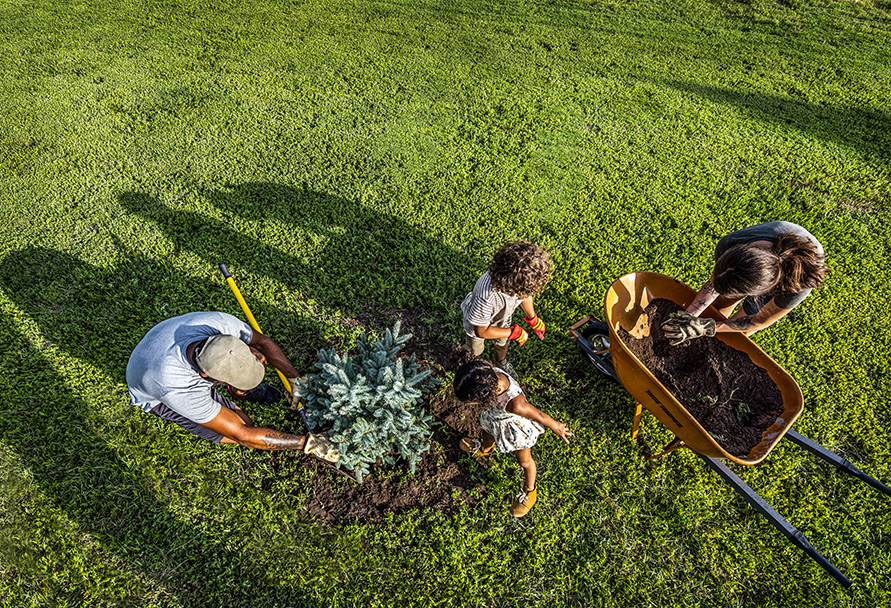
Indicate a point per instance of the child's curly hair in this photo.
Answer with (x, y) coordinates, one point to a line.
(475, 381)
(520, 269)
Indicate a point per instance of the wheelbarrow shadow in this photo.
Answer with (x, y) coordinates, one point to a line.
(51, 428)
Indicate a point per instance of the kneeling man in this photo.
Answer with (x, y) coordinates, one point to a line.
(174, 371)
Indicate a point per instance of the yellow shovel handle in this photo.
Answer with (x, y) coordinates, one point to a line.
(250, 317)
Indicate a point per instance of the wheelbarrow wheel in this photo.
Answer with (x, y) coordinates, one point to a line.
(595, 327)
(596, 332)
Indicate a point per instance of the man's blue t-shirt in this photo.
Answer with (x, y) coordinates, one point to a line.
(158, 371)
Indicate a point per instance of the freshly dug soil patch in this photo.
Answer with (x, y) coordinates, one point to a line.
(731, 397)
(441, 480)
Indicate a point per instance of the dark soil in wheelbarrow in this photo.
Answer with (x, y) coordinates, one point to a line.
(731, 397)
(445, 478)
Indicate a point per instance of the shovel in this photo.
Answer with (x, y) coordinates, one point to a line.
(256, 327)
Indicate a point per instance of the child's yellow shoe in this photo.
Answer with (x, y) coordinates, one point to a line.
(475, 448)
(525, 501)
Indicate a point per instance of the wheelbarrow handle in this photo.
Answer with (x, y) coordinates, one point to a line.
(843, 465)
(776, 520)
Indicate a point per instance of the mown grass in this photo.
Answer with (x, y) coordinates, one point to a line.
(348, 159)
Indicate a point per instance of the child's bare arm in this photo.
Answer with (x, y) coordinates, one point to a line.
(519, 406)
(491, 332)
(528, 307)
(537, 325)
(514, 332)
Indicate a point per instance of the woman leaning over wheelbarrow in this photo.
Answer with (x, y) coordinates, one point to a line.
(771, 267)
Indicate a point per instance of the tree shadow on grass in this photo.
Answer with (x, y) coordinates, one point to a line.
(863, 129)
(50, 427)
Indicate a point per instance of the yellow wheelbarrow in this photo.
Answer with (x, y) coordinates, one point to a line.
(600, 342)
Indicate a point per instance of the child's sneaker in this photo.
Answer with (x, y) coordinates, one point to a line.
(525, 501)
(474, 447)
(262, 393)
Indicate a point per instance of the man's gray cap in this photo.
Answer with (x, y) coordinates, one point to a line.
(228, 359)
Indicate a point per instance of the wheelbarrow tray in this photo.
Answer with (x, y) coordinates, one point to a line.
(624, 303)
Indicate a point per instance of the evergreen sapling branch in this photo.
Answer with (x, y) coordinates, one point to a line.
(370, 403)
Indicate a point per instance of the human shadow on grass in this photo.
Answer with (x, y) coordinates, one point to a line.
(367, 265)
(50, 426)
(866, 130)
(98, 315)
(366, 261)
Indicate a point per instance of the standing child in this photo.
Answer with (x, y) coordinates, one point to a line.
(509, 422)
(519, 271)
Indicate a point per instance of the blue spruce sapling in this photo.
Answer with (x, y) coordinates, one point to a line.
(370, 403)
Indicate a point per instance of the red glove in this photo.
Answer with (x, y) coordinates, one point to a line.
(537, 326)
(519, 334)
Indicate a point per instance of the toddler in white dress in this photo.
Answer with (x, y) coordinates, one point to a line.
(509, 422)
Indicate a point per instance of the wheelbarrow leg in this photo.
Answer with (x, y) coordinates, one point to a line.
(818, 450)
(677, 444)
(635, 426)
(775, 519)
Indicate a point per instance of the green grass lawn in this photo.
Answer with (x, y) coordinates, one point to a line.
(352, 160)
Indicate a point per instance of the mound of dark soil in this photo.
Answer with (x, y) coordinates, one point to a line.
(731, 397)
(441, 480)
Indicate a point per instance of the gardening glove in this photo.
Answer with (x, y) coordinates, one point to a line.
(321, 447)
(519, 334)
(537, 326)
(293, 401)
(685, 327)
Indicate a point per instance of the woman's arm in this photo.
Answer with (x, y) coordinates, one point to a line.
(769, 314)
(519, 406)
(703, 299)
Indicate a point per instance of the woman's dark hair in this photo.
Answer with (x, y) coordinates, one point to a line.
(520, 269)
(476, 381)
(791, 264)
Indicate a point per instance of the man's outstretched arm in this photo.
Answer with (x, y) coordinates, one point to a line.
(230, 425)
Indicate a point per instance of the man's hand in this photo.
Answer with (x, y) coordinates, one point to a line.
(321, 447)
(537, 326)
(685, 327)
(519, 334)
